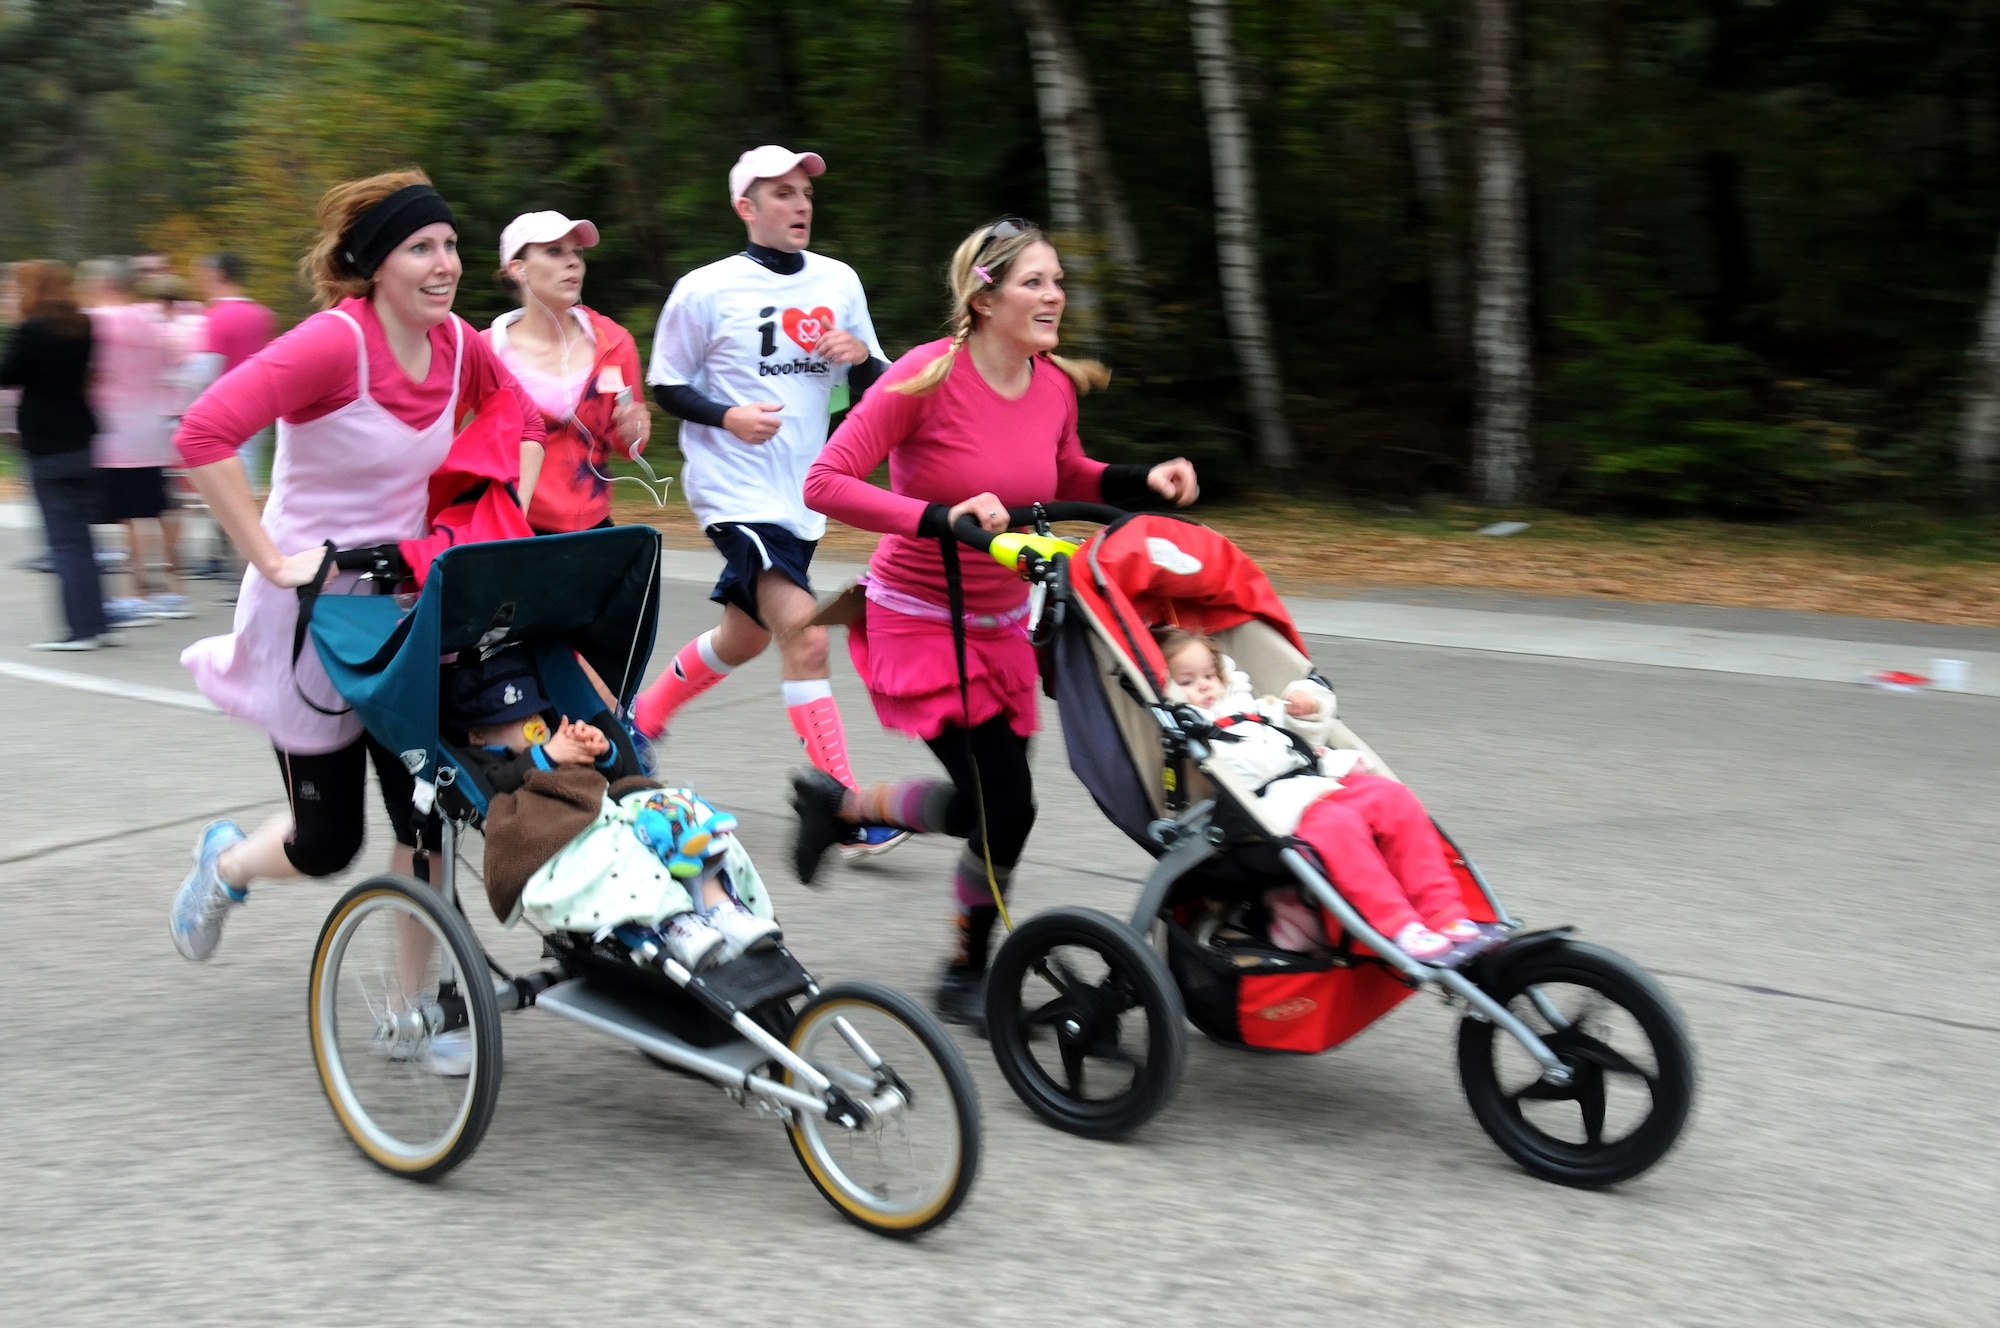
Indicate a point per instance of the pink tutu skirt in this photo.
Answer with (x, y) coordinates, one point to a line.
(912, 673)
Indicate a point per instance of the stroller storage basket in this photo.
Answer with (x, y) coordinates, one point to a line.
(1256, 996)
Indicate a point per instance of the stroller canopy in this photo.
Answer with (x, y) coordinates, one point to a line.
(595, 593)
(1148, 571)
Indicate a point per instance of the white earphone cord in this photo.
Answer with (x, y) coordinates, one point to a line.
(655, 487)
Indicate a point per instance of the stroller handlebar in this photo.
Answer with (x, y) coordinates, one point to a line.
(971, 533)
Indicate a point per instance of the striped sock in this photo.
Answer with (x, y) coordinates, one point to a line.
(977, 913)
(912, 804)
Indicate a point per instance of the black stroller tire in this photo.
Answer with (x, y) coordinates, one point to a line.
(867, 1183)
(1665, 1067)
(403, 1115)
(1087, 1023)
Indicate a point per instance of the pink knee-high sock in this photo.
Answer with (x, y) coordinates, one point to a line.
(695, 669)
(815, 718)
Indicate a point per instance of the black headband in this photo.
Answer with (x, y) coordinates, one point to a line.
(389, 223)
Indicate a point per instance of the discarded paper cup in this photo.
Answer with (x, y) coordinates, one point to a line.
(1950, 675)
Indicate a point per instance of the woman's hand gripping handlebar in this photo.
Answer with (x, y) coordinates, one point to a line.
(1032, 555)
(382, 563)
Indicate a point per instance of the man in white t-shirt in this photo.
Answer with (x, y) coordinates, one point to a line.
(747, 354)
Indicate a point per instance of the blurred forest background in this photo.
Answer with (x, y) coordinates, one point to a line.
(1752, 241)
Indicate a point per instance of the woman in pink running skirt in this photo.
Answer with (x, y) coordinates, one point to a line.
(971, 424)
(367, 395)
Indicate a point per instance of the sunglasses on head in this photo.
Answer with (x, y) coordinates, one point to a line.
(1004, 229)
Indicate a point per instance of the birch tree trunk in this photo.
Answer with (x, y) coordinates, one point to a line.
(1503, 370)
(1088, 217)
(1236, 232)
(1979, 426)
(1430, 164)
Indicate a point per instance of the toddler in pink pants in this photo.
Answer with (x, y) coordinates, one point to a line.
(1374, 838)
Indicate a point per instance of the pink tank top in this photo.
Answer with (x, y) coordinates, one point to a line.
(356, 476)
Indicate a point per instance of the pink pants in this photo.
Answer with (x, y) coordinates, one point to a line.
(1378, 844)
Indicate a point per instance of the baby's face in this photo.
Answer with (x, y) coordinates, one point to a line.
(1193, 669)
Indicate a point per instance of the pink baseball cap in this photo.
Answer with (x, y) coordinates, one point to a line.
(767, 163)
(543, 228)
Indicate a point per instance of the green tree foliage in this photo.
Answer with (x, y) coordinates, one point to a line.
(1761, 228)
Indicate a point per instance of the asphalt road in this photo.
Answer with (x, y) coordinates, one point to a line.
(1809, 867)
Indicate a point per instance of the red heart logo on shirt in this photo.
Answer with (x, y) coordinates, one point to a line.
(807, 326)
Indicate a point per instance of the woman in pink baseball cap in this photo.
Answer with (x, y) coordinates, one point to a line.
(581, 368)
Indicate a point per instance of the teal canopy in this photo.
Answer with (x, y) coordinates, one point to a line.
(594, 595)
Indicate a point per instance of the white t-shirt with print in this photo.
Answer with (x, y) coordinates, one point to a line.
(740, 333)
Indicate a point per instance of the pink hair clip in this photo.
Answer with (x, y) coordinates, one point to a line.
(985, 277)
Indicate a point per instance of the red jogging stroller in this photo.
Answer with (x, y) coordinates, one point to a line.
(1572, 1058)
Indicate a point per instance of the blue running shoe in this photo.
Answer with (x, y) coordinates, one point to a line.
(203, 901)
(871, 841)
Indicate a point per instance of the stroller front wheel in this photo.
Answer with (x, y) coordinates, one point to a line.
(1085, 1022)
(405, 1028)
(1628, 1051)
(904, 1173)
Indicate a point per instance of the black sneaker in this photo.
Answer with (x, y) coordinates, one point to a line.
(816, 797)
(961, 998)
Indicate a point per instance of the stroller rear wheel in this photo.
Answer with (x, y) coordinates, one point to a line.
(908, 1170)
(1085, 1022)
(405, 1027)
(1628, 1051)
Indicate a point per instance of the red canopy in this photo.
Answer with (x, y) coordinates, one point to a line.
(1168, 571)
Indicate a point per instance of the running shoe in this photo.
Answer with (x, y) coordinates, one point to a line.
(449, 1054)
(961, 998)
(871, 841)
(816, 797)
(204, 901)
(45, 561)
(168, 605)
(129, 613)
(742, 931)
(693, 940)
(69, 643)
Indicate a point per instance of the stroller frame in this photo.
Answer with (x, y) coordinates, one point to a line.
(759, 1026)
(1143, 764)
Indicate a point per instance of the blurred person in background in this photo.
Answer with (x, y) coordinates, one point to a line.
(129, 394)
(575, 363)
(48, 359)
(366, 395)
(238, 327)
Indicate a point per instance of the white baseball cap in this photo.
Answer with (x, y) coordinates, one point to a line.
(768, 163)
(543, 228)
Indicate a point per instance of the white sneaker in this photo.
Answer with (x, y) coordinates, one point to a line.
(69, 643)
(693, 940)
(129, 613)
(449, 1054)
(743, 930)
(1422, 944)
(203, 901)
(168, 605)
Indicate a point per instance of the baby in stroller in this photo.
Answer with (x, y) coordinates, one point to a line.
(578, 839)
(1372, 835)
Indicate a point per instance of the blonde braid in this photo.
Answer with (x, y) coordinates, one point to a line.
(939, 369)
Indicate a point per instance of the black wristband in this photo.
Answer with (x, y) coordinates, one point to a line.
(935, 522)
(683, 402)
(861, 377)
(1125, 486)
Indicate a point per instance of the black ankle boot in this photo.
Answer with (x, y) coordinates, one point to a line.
(961, 997)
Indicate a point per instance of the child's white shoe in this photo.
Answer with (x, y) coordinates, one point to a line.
(743, 930)
(692, 940)
(1422, 944)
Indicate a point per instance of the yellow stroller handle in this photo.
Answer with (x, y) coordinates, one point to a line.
(1007, 549)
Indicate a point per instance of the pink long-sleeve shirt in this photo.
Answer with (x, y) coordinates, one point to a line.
(960, 440)
(310, 372)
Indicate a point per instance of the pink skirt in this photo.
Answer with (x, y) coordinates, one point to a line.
(912, 673)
